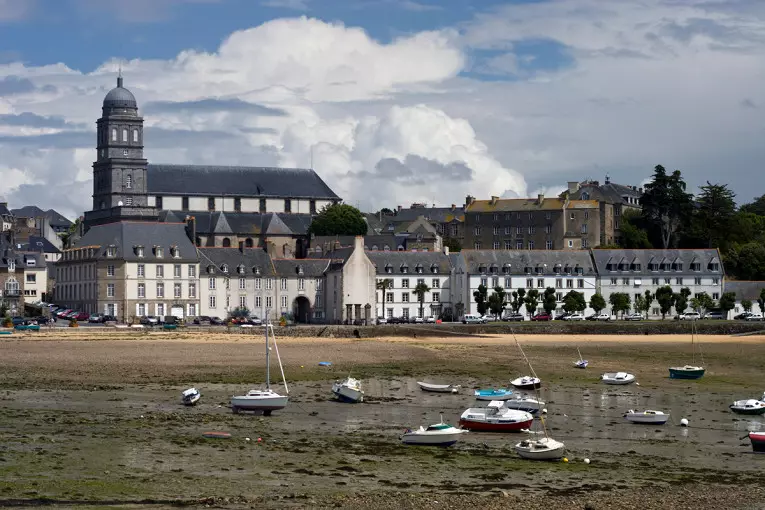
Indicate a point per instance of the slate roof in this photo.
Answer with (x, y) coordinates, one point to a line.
(337, 255)
(432, 214)
(289, 268)
(128, 234)
(397, 260)
(608, 192)
(626, 261)
(237, 181)
(55, 218)
(4, 210)
(250, 259)
(745, 289)
(522, 262)
(375, 242)
(40, 243)
(528, 204)
(20, 256)
(253, 224)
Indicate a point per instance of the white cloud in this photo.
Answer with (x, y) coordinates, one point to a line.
(304, 80)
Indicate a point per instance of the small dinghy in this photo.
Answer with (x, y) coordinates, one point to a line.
(522, 403)
(527, 383)
(495, 418)
(758, 441)
(348, 390)
(439, 388)
(440, 434)
(544, 448)
(190, 396)
(647, 416)
(494, 394)
(750, 406)
(581, 362)
(618, 378)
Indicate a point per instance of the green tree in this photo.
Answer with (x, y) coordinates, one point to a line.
(519, 297)
(240, 312)
(680, 300)
(648, 297)
(728, 302)
(597, 302)
(702, 302)
(531, 301)
(666, 205)
(497, 302)
(761, 301)
(750, 262)
(481, 297)
(756, 207)
(453, 244)
(633, 235)
(713, 215)
(338, 220)
(639, 304)
(666, 299)
(420, 290)
(574, 301)
(746, 304)
(620, 302)
(383, 285)
(549, 302)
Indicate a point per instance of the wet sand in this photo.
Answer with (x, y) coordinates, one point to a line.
(100, 421)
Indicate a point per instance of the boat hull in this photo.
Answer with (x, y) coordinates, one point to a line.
(530, 406)
(424, 439)
(495, 425)
(680, 373)
(580, 364)
(190, 401)
(554, 450)
(245, 403)
(613, 380)
(758, 441)
(648, 420)
(346, 394)
(749, 412)
(493, 395)
(437, 388)
(526, 385)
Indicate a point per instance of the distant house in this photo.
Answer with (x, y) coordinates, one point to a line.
(6, 217)
(57, 221)
(745, 290)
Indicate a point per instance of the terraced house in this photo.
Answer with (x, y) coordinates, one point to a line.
(636, 271)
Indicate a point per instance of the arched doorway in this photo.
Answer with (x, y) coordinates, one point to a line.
(302, 309)
(226, 242)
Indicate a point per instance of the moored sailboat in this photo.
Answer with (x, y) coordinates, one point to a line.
(265, 400)
(580, 363)
(689, 371)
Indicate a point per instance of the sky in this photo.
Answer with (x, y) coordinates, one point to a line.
(390, 101)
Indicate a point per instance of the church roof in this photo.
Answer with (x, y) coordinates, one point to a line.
(261, 182)
(120, 97)
(252, 224)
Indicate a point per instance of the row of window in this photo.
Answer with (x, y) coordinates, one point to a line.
(159, 252)
(519, 244)
(125, 133)
(519, 230)
(540, 283)
(258, 303)
(212, 283)
(434, 284)
(518, 216)
(238, 204)
(435, 297)
(664, 266)
(159, 271)
(435, 310)
(142, 309)
(667, 281)
(160, 290)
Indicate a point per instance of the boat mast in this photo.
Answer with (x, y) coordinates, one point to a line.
(580, 354)
(268, 355)
(533, 374)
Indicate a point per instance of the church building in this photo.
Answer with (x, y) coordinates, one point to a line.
(255, 207)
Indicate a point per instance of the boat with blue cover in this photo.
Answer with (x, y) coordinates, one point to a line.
(439, 434)
(494, 394)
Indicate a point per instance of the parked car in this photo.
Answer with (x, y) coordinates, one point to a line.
(418, 320)
(63, 313)
(255, 321)
(490, 318)
(714, 316)
(149, 320)
(215, 321)
(430, 320)
(690, 316)
(561, 316)
(514, 317)
(95, 318)
(576, 316)
(473, 319)
(108, 318)
(634, 316)
(19, 321)
(202, 320)
(542, 317)
(742, 316)
(602, 316)
(754, 317)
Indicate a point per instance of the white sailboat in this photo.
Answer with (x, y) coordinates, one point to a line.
(544, 448)
(581, 362)
(266, 400)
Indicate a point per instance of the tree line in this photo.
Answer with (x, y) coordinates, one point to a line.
(671, 217)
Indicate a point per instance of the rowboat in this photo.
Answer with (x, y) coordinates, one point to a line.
(495, 418)
(617, 378)
(493, 394)
(647, 416)
(439, 388)
(348, 390)
(439, 434)
(544, 448)
(190, 396)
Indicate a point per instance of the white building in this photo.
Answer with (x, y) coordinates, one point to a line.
(350, 285)
(521, 269)
(745, 291)
(636, 271)
(35, 277)
(405, 270)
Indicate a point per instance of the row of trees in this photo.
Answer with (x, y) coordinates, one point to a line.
(621, 302)
(672, 217)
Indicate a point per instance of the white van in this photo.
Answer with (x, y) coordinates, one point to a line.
(473, 319)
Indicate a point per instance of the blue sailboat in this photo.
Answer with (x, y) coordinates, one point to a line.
(494, 394)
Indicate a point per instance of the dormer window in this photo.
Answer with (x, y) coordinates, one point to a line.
(111, 251)
(636, 266)
(11, 265)
(482, 269)
(418, 268)
(31, 262)
(713, 266)
(256, 270)
(139, 251)
(506, 269)
(493, 269)
(556, 269)
(527, 269)
(567, 269)
(300, 271)
(388, 269)
(211, 269)
(224, 268)
(434, 269)
(159, 252)
(579, 270)
(539, 269)
(695, 266)
(175, 252)
(240, 269)
(404, 268)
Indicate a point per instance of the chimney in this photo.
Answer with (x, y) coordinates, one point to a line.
(358, 243)
(191, 229)
(573, 186)
(398, 208)
(494, 200)
(540, 198)
(446, 250)
(640, 190)
(469, 200)
(454, 207)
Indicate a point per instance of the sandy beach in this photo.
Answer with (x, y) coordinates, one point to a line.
(95, 418)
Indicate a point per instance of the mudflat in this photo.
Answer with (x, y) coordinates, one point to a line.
(90, 418)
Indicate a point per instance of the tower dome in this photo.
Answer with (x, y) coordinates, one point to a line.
(120, 97)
